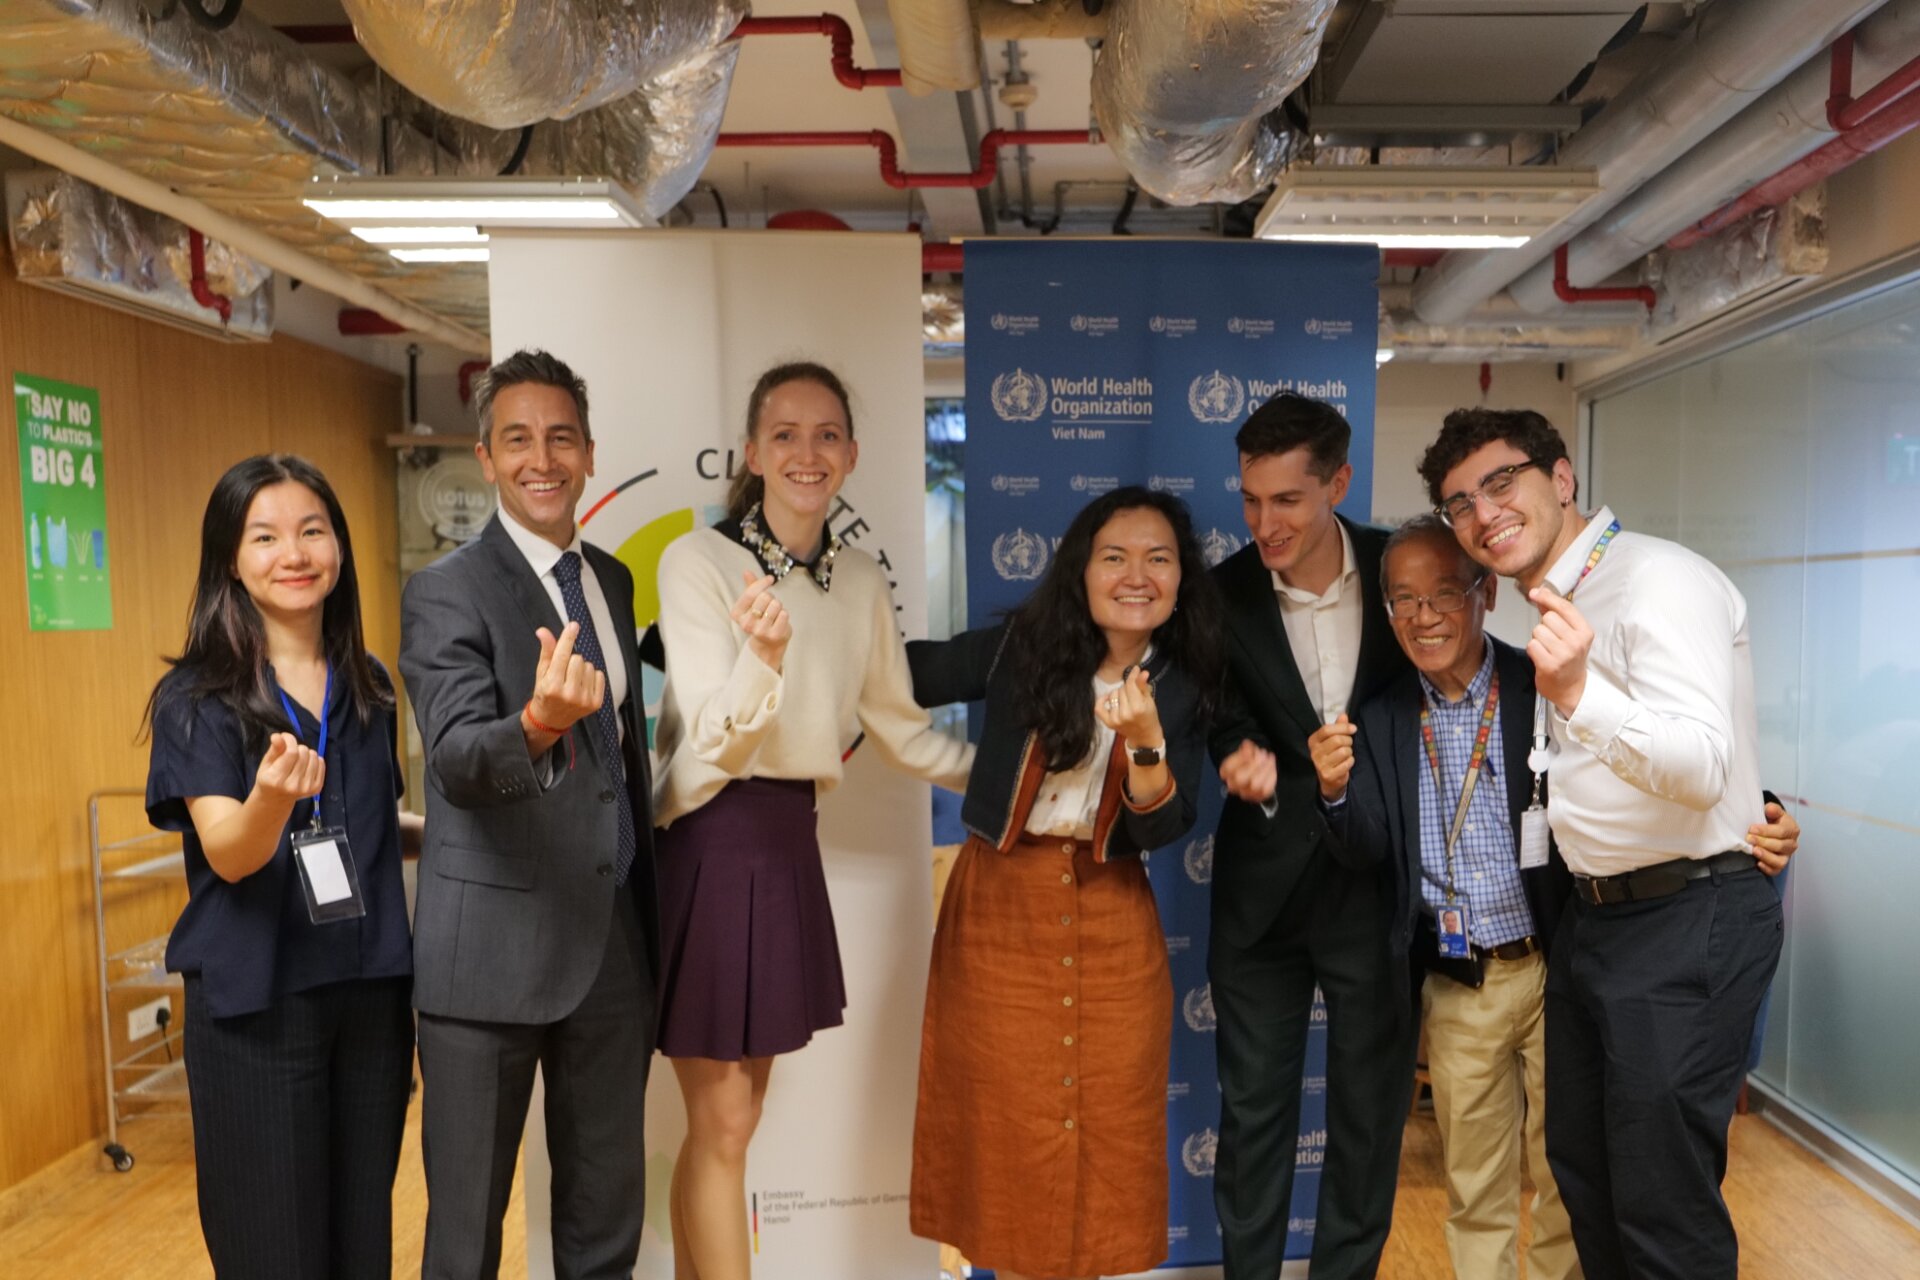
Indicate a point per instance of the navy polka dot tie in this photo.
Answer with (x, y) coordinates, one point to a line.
(606, 728)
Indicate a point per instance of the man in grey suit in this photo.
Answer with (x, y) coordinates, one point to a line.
(535, 933)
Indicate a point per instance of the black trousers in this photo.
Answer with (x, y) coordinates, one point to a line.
(1650, 1009)
(297, 1117)
(477, 1081)
(1331, 932)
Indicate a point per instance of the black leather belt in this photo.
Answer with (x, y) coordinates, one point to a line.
(1659, 880)
(1518, 949)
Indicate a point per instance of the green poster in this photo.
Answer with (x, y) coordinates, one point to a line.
(64, 499)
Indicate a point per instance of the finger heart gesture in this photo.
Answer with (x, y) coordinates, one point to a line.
(1129, 710)
(759, 613)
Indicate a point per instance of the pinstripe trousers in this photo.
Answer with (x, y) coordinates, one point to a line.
(297, 1118)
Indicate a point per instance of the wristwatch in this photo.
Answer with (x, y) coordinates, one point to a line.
(1146, 757)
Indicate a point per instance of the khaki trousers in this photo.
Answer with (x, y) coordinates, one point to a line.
(1486, 1057)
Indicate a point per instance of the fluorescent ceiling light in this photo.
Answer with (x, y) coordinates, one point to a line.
(1382, 355)
(1420, 207)
(475, 202)
(420, 235)
(475, 253)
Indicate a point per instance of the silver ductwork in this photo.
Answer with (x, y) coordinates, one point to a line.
(507, 63)
(1181, 90)
(1786, 124)
(1733, 54)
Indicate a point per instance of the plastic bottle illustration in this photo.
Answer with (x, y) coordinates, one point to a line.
(57, 541)
(33, 538)
(99, 548)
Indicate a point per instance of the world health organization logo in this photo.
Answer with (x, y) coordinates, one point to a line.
(1019, 396)
(1313, 326)
(1158, 324)
(1019, 556)
(1216, 397)
(1078, 484)
(1236, 325)
(999, 320)
(1078, 324)
(1197, 1008)
(1198, 860)
(1219, 544)
(1197, 1153)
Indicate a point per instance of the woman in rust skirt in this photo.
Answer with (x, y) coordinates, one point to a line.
(1039, 1144)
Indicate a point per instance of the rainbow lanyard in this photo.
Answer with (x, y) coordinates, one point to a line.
(1537, 757)
(1593, 557)
(1478, 758)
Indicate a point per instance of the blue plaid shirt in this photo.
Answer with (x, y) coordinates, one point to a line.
(1486, 862)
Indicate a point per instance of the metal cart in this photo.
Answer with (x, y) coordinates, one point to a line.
(125, 871)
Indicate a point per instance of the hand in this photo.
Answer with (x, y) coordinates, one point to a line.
(759, 613)
(566, 687)
(1331, 747)
(1559, 649)
(290, 770)
(1775, 840)
(1130, 712)
(1250, 773)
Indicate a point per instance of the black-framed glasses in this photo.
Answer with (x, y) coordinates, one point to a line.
(1496, 488)
(1445, 600)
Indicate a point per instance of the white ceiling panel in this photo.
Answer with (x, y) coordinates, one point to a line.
(1475, 59)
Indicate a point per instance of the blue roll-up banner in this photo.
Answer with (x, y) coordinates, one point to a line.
(1093, 364)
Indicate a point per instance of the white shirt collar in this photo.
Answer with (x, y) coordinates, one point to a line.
(541, 554)
(1348, 570)
(1565, 574)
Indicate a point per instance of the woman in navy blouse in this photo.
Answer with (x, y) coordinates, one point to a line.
(275, 757)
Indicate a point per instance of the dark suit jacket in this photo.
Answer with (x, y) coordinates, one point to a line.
(1258, 860)
(1380, 822)
(516, 883)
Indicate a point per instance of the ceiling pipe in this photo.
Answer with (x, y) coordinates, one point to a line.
(950, 258)
(203, 293)
(981, 175)
(1844, 111)
(1039, 20)
(840, 36)
(1850, 147)
(1732, 55)
(1640, 293)
(274, 253)
(937, 43)
(1788, 122)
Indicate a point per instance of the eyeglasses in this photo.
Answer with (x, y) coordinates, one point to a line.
(1495, 489)
(1445, 600)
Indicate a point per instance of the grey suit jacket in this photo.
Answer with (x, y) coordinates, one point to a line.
(516, 877)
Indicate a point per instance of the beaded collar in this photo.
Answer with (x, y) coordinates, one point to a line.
(776, 560)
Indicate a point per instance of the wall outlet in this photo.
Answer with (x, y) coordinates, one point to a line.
(144, 1020)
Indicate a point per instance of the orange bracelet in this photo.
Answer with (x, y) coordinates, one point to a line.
(527, 712)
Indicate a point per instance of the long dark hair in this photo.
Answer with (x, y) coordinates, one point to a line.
(748, 488)
(226, 651)
(1055, 649)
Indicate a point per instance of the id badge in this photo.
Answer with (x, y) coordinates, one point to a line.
(327, 875)
(1455, 932)
(1535, 836)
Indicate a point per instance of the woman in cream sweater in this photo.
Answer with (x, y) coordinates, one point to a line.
(781, 649)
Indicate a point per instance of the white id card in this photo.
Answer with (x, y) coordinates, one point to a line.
(327, 876)
(1534, 838)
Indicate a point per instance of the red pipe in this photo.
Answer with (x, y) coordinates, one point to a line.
(1844, 111)
(1565, 291)
(203, 292)
(358, 322)
(1411, 257)
(1863, 139)
(950, 258)
(835, 28)
(981, 175)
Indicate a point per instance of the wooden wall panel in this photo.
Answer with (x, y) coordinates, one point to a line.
(176, 411)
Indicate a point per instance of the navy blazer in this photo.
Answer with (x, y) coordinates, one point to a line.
(1006, 770)
(1380, 821)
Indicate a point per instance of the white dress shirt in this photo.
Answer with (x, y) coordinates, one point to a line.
(1069, 801)
(542, 556)
(1324, 633)
(1660, 760)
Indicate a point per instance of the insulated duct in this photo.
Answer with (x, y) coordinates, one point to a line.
(1733, 54)
(509, 63)
(1754, 256)
(938, 46)
(1182, 90)
(1786, 124)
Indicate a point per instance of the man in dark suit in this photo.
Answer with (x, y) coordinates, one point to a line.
(1442, 812)
(535, 934)
(1308, 638)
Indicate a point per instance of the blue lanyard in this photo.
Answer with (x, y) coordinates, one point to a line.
(326, 700)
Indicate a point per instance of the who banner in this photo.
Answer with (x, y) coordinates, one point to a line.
(1093, 364)
(63, 499)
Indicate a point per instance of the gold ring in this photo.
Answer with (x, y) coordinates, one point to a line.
(759, 613)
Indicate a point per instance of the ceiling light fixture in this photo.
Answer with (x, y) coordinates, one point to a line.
(475, 202)
(1409, 207)
(420, 235)
(443, 253)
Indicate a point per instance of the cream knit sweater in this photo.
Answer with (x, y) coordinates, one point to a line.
(725, 714)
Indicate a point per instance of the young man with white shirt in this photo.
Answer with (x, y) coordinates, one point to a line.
(535, 933)
(1646, 695)
(1308, 638)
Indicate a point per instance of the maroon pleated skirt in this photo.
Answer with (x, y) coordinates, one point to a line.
(750, 961)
